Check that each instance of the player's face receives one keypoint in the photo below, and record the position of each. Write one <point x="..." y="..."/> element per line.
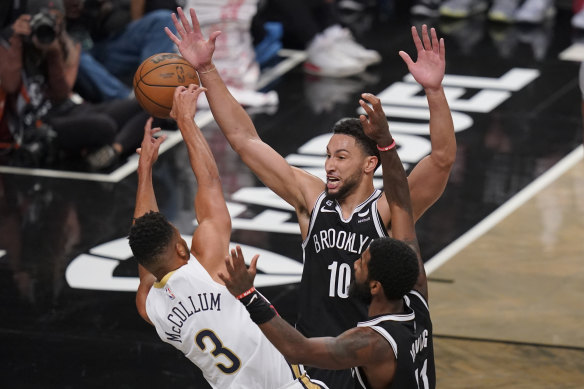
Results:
<point x="344" y="165"/>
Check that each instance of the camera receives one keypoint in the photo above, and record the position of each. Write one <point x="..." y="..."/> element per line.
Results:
<point x="43" y="26"/>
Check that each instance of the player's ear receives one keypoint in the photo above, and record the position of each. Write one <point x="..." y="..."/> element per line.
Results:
<point x="182" y="249"/>
<point x="375" y="287"/>
<point x="371" y="164"/>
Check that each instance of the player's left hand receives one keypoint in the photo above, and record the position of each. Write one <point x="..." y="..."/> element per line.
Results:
<point x="148" y="150"/>
<point x="375" y="124"/>
<point x="239" y="278"/>
<point x="428" y="70"/>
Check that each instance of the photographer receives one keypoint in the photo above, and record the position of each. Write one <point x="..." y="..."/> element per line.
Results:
<point x="38" y="70"/>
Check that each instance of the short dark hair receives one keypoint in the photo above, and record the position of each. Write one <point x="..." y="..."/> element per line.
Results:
<point x="149" y="237"/>
<point x="354" y="128"/>
<point x="395" y="265"/>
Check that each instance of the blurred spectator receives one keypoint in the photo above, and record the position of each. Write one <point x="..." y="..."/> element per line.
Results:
<point x="313" y="25"/>
<point x="117" y="35"/>
<point x="37" y="73"/>
<point x="578" y="18"/>
<point x="235" y="56"/>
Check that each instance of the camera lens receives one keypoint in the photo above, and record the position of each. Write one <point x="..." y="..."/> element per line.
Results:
<point x="43" y="27"/>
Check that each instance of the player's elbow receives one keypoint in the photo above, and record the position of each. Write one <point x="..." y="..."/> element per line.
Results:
<point x="444" y="159"/>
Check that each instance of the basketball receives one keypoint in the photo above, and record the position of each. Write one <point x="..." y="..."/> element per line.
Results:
<point x="156" y="80"/>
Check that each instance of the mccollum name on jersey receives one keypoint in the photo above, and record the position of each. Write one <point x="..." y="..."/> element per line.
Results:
<point x="183" y="310"/>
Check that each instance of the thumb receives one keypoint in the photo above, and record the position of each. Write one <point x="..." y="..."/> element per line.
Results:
<point x="406" y="58"/>
<point x="213" y="37"/>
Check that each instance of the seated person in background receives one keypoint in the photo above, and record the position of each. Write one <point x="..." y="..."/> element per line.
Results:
<point x="116" y="36"/>
<point x="37" y="74"/>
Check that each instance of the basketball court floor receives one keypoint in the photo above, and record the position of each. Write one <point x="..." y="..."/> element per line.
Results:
<point x="504" y="245"/>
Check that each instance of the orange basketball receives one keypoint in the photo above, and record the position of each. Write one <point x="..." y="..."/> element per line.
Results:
<point x="157" y="78"/>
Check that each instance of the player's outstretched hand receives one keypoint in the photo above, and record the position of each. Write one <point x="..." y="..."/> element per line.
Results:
<point x="375" y="123"/>
<point x="191" y="44"/>
<point x="428" y="70"/>
<point x="149" y="148"/>
<point x="239" y="278"/>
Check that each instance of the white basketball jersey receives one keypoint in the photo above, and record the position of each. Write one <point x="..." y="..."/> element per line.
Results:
<point x="213" y="329"/>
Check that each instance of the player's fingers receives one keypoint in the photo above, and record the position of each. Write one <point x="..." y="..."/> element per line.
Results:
<point x="179" y="28"/>
<point x="172" y="36"/>
<point x="372" y="99"/>
<point x="148" y="126"/>
<point x="159" y="141"/>
<point x="366" y="107"/>
<point x="183" y="19"/>
<point x="417" y="41"/>
<point x="442" y="50"/>
<point x="435" y="44"/>
<point x="195" y="20"/>
<point x="139" y="150"/>
<point x="253" y="265"/>
<point x="426" y="38"/>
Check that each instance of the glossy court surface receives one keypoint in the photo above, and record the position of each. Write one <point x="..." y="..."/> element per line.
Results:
<point x="504" y="245"/>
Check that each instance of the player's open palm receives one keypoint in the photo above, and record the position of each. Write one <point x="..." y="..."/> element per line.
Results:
<point x="428" y="70"/>
<point x="192" y="44"/>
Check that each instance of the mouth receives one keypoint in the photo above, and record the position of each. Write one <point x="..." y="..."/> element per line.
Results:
<point x="332" y="182"/>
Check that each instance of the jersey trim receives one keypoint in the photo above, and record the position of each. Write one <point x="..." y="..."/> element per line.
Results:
<point x="313" y="219"/>
<point x="160" y="284"/>
<point x="416" y="293"/>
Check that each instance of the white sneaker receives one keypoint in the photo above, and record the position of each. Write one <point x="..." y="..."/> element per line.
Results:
<point x="535" y="11"/>
<point x="346" y="44"/>
<point x="325" y="60"/>
<point x="578" y="20"/>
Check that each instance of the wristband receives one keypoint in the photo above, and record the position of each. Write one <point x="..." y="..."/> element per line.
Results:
<point x="387" y="148"/>
<point x="259" y="308"/>
<point x="208" y="71"/>
<point x="246" y="293"/>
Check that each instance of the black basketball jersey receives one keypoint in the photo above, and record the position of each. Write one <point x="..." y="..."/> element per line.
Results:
<point x="330" y="249"/>
<point x="410" y="336"/>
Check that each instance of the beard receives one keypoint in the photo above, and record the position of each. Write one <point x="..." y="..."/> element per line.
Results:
<point x="350" y="184"/>
<point x="360" y="292"/>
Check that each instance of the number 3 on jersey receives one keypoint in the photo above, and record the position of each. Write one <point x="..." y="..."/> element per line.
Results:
<point x="340" y="279"/>
<point x="218" y="350"/>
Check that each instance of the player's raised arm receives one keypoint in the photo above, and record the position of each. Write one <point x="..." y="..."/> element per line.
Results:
<point x="430" y="176"/>
<point x="146" y="202"/>
<point x="295" y="186"/>
<point x="211" y="238"/>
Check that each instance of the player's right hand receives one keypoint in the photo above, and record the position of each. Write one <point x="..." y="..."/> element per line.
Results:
<point x="192" y="45"/>
<point x="148" y="150"/>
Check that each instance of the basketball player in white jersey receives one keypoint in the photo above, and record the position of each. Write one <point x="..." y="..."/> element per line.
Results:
<point x="180" y="292"/>
<point x="337" y="218"/>
<point x="393" y="348"/>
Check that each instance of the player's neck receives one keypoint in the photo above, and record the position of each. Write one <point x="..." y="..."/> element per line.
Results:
<point x="385" y="307"/>
<point x="349" y="202"/>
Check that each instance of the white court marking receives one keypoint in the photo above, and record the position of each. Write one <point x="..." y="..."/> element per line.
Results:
<point x="504" y="210"/>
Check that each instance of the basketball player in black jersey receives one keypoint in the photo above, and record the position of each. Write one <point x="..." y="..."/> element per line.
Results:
<point x="339" y="218"/>
<point x="393" y="348"/>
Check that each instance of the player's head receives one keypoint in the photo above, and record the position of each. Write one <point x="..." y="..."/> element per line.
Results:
<point x="156" y="243"/>
<point x="350" y="155"/>
<point x="391" y="263"/>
